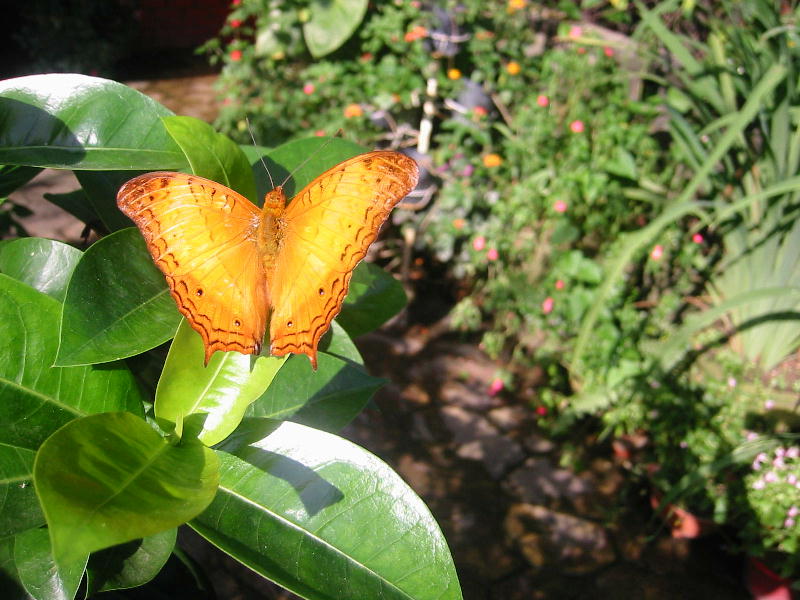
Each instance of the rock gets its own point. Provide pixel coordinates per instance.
(508, 418)
(538, 480)
(548, 538)
(471, 396)
(538, 444)
(479, 440)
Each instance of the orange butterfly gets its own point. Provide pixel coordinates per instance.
(232, 267)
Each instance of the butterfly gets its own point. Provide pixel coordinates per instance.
(234, 269)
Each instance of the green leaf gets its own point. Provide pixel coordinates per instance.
(622, 164)
(374, 298)
(9, 576)
(320, 153)
(110, 478)
(117, 303)
(45, 265)
(70, 121)
(19, 507)
(101, 189)
(212, 155)
(328, 398)
(35, 398)
(130, 565)
(41, 576)
(13, 177)
(332, 22)
(222, 391)
(327, 520)
(77, 204)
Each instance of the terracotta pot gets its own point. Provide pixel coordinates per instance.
(766, 584)
(682, 523)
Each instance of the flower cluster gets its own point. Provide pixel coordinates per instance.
(773, 492)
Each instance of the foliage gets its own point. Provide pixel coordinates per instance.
(122, 445)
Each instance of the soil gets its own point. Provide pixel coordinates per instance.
(522, 523)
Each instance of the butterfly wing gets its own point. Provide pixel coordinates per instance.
(202, 237)
(327, 229)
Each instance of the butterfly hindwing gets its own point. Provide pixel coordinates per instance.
(328, 228)
(202, 236)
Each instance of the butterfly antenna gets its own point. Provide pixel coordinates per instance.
(312, 155)
(266, 168)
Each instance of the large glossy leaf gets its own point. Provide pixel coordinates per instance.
(100, 188)
(328, 398)
(42, 577)
(331, 23)
(130, 565)
(77, 122)
(13, 177)
(117, 303)
(9, 577)
(374, 298)
(110, 478)
(327, 520)
(222, 390)
(36, 398)
(45, 265)
(304, 159)
(19, 507)
(212, 155)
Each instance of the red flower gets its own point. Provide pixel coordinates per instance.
(236, 23)
(236, 55)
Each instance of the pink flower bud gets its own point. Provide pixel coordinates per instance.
(308, 89)
(559, 284)
(479, 243)
(697, 238)
(542, 100)
(496, 386)
(576, 126)
(560, 206)
(657, 252)
(547, 305)
(492, 254)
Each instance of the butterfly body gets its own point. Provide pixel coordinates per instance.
(232, 268)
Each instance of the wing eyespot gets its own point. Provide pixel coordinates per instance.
(237, 322)
(321, 292)
(290, 323)
(198, 292)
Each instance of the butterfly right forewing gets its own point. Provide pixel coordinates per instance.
(328, 228)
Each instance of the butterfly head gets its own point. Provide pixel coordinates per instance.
(275, 200)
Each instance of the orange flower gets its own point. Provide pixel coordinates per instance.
(480, 111)
(415, 33)
(515, 5)
(492, 160)
(353, 110)
(484, 35)
(454, 73)
(513, 68)
(459, 223)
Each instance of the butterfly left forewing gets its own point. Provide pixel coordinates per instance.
(327, 230)
(201, 235)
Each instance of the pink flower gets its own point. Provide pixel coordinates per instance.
(657, 252)
(751, 435)
(793, 511)
(576, 126)
(560, 206)
(609, 52)
(547, 305)
(236, 23)
(789, 522)
(793, 452)
(479, 243)
(541, 410)
(559, 284)
(575, 31)
(308, 89)
(492, 254)
(496, 386)
(769, 404)
(759, 484)
(468, 170)
(732, 382)
(319, 133)
(542, 100)
(697, 238)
